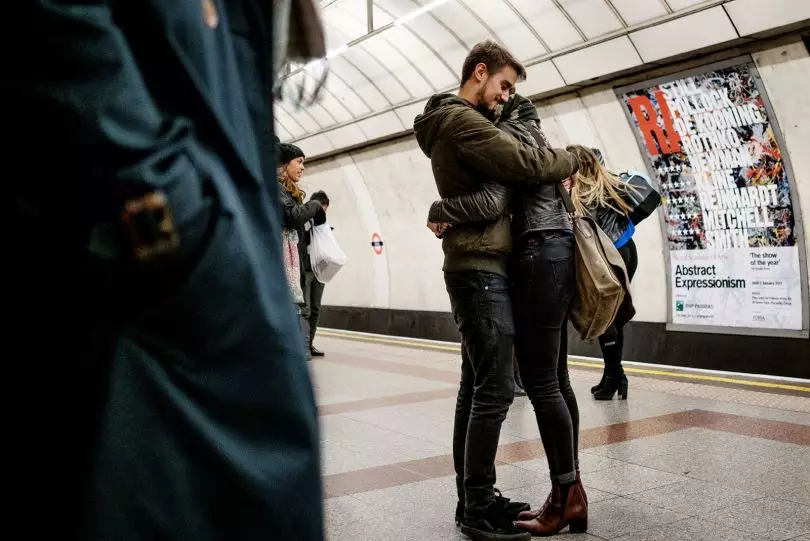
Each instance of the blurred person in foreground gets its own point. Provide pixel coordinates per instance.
(155, 388)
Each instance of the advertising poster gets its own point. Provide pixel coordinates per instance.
(731, 226)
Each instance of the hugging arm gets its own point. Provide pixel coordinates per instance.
(485, 205)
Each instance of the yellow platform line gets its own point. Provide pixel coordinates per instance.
(630, 369)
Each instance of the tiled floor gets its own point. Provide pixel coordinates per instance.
(678, 461)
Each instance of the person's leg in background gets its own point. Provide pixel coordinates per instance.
(314, 298)
(304, 310)
(612, 343)
(519, 390)
(303, 323)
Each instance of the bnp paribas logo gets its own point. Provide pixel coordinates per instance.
(679, 306)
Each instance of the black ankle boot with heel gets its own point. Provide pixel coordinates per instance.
(611, 386)
(599, 385)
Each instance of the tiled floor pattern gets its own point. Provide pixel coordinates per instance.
(677, 461)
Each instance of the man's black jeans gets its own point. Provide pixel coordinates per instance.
(543, 277)
(483, 312)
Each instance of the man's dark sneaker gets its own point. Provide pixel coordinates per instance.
(511, 509)
(316, 352)
(493, 525)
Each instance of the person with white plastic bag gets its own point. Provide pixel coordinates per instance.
(296, 215)
(323, 258)
(325, 255)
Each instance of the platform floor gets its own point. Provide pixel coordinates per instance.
(684, 459)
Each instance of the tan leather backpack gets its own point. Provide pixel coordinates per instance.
(603, 286)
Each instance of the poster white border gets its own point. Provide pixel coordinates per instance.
(794, 195)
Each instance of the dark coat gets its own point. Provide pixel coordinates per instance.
(465, 151)
(533, 207)
(165, 400)
(296, 215)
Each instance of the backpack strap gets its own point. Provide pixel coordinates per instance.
(569, 205)
(564, 195)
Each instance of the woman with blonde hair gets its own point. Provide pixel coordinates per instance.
(609, 199)
(295, 215)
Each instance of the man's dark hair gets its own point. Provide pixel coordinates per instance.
(495, 56)
(321, 196)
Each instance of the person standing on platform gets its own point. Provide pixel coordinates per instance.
(296, 216)
(313, 288)
(611, 200)
(542, 282)
(153, 384)
(465, 149)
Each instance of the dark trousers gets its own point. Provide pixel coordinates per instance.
(483, 312)
(544, 283)
(612, 342)
(311, 311)
(566, 389)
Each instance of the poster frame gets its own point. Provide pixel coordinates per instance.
(794, 195)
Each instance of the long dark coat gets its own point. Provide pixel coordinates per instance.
(166, 399)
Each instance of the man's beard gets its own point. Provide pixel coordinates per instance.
(486, 112)
(483, 107)
(490, 114)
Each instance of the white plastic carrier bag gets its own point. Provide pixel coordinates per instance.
(325, 255)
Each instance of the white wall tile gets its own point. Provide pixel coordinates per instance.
(602, 59)
(752, 16)
(689, 33)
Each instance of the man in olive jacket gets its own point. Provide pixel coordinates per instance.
(153, 387)
(465, 150)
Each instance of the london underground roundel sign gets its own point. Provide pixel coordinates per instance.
(377, 243)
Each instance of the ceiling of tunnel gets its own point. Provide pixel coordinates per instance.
(381, 70)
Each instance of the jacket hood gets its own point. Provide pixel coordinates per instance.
(519, 109)
(427, 124)
(519, 118)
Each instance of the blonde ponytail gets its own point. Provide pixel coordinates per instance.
(595, 186)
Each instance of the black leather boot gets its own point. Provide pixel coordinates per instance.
(598, 386)
(613, 384)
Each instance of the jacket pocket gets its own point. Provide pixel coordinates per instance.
(497, 237)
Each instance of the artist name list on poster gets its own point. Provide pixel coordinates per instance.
(707, 122)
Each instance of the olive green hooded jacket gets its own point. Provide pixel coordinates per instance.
(466, 150)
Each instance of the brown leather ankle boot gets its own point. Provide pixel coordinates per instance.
(560, 510)
(584, 495)
(531, 515)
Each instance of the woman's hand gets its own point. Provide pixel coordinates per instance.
(438, 229)
(568, 183)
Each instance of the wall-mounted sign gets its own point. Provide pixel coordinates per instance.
(731, 220)
(377, 243)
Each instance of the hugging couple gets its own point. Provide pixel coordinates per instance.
(510, 274)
